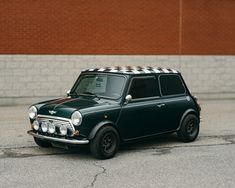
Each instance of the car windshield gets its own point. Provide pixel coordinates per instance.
(100, 85)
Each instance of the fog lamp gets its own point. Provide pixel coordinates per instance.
(35, 125)
(44, 126)
(63, 130)
(51, 128)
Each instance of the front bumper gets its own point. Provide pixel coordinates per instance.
(61, 140)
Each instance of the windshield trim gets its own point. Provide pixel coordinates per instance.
(100, 96)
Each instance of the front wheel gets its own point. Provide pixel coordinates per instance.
(189, 128)
(42, 143)
(105, 144)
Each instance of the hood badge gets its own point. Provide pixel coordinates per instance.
(52, 112)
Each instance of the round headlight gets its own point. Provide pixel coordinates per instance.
(51, 128)
(32, 112)
(35, 125)
(44, 127)
(63, 130)
(76, 118)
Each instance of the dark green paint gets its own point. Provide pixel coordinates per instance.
(136, 119)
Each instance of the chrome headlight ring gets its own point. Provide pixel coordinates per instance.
(32, 112)
(76, 118)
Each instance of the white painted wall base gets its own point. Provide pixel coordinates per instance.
(29, 78)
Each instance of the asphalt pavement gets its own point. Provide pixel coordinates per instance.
(160, 162)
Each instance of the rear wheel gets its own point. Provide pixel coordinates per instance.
(42, 143)
(189, 128)
(105, 144)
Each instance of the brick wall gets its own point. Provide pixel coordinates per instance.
(117, 27)
(30, 78)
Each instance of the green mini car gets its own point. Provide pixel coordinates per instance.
(109, 106)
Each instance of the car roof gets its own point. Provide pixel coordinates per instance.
(133, 70)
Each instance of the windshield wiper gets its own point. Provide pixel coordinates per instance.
(89, 94)
(84, 94)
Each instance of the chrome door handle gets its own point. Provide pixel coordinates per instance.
(160, 105)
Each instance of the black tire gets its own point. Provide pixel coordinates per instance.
(189, 128)
(105, 143)
(42, 143)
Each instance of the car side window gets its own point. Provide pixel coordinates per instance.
(144, 87)
(171, 85)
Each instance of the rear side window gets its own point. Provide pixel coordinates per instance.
(171, 85)
(144, 87)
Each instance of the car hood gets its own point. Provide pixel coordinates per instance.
(66, 106)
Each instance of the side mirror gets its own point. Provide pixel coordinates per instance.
(68, 93)
(128, 98)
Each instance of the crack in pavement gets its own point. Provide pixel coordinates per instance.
(162, 151)
(24, 152)
(16, 152)
(9, 153)
(159, 150)
(218, 136)
(172, 147)
(230, 139)
(18, 147)
(96, 175)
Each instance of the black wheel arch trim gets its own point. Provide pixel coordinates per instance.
(189, 111)
(99, 126)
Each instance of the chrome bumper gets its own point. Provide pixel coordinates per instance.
(53, 139)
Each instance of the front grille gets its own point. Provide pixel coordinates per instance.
(57, 123)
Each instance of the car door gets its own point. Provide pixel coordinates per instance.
(141, 116)
(175, 98)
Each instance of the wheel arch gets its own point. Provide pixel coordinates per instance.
(99, 126)
(187, 112)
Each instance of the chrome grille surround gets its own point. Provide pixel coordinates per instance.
(57, 121)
